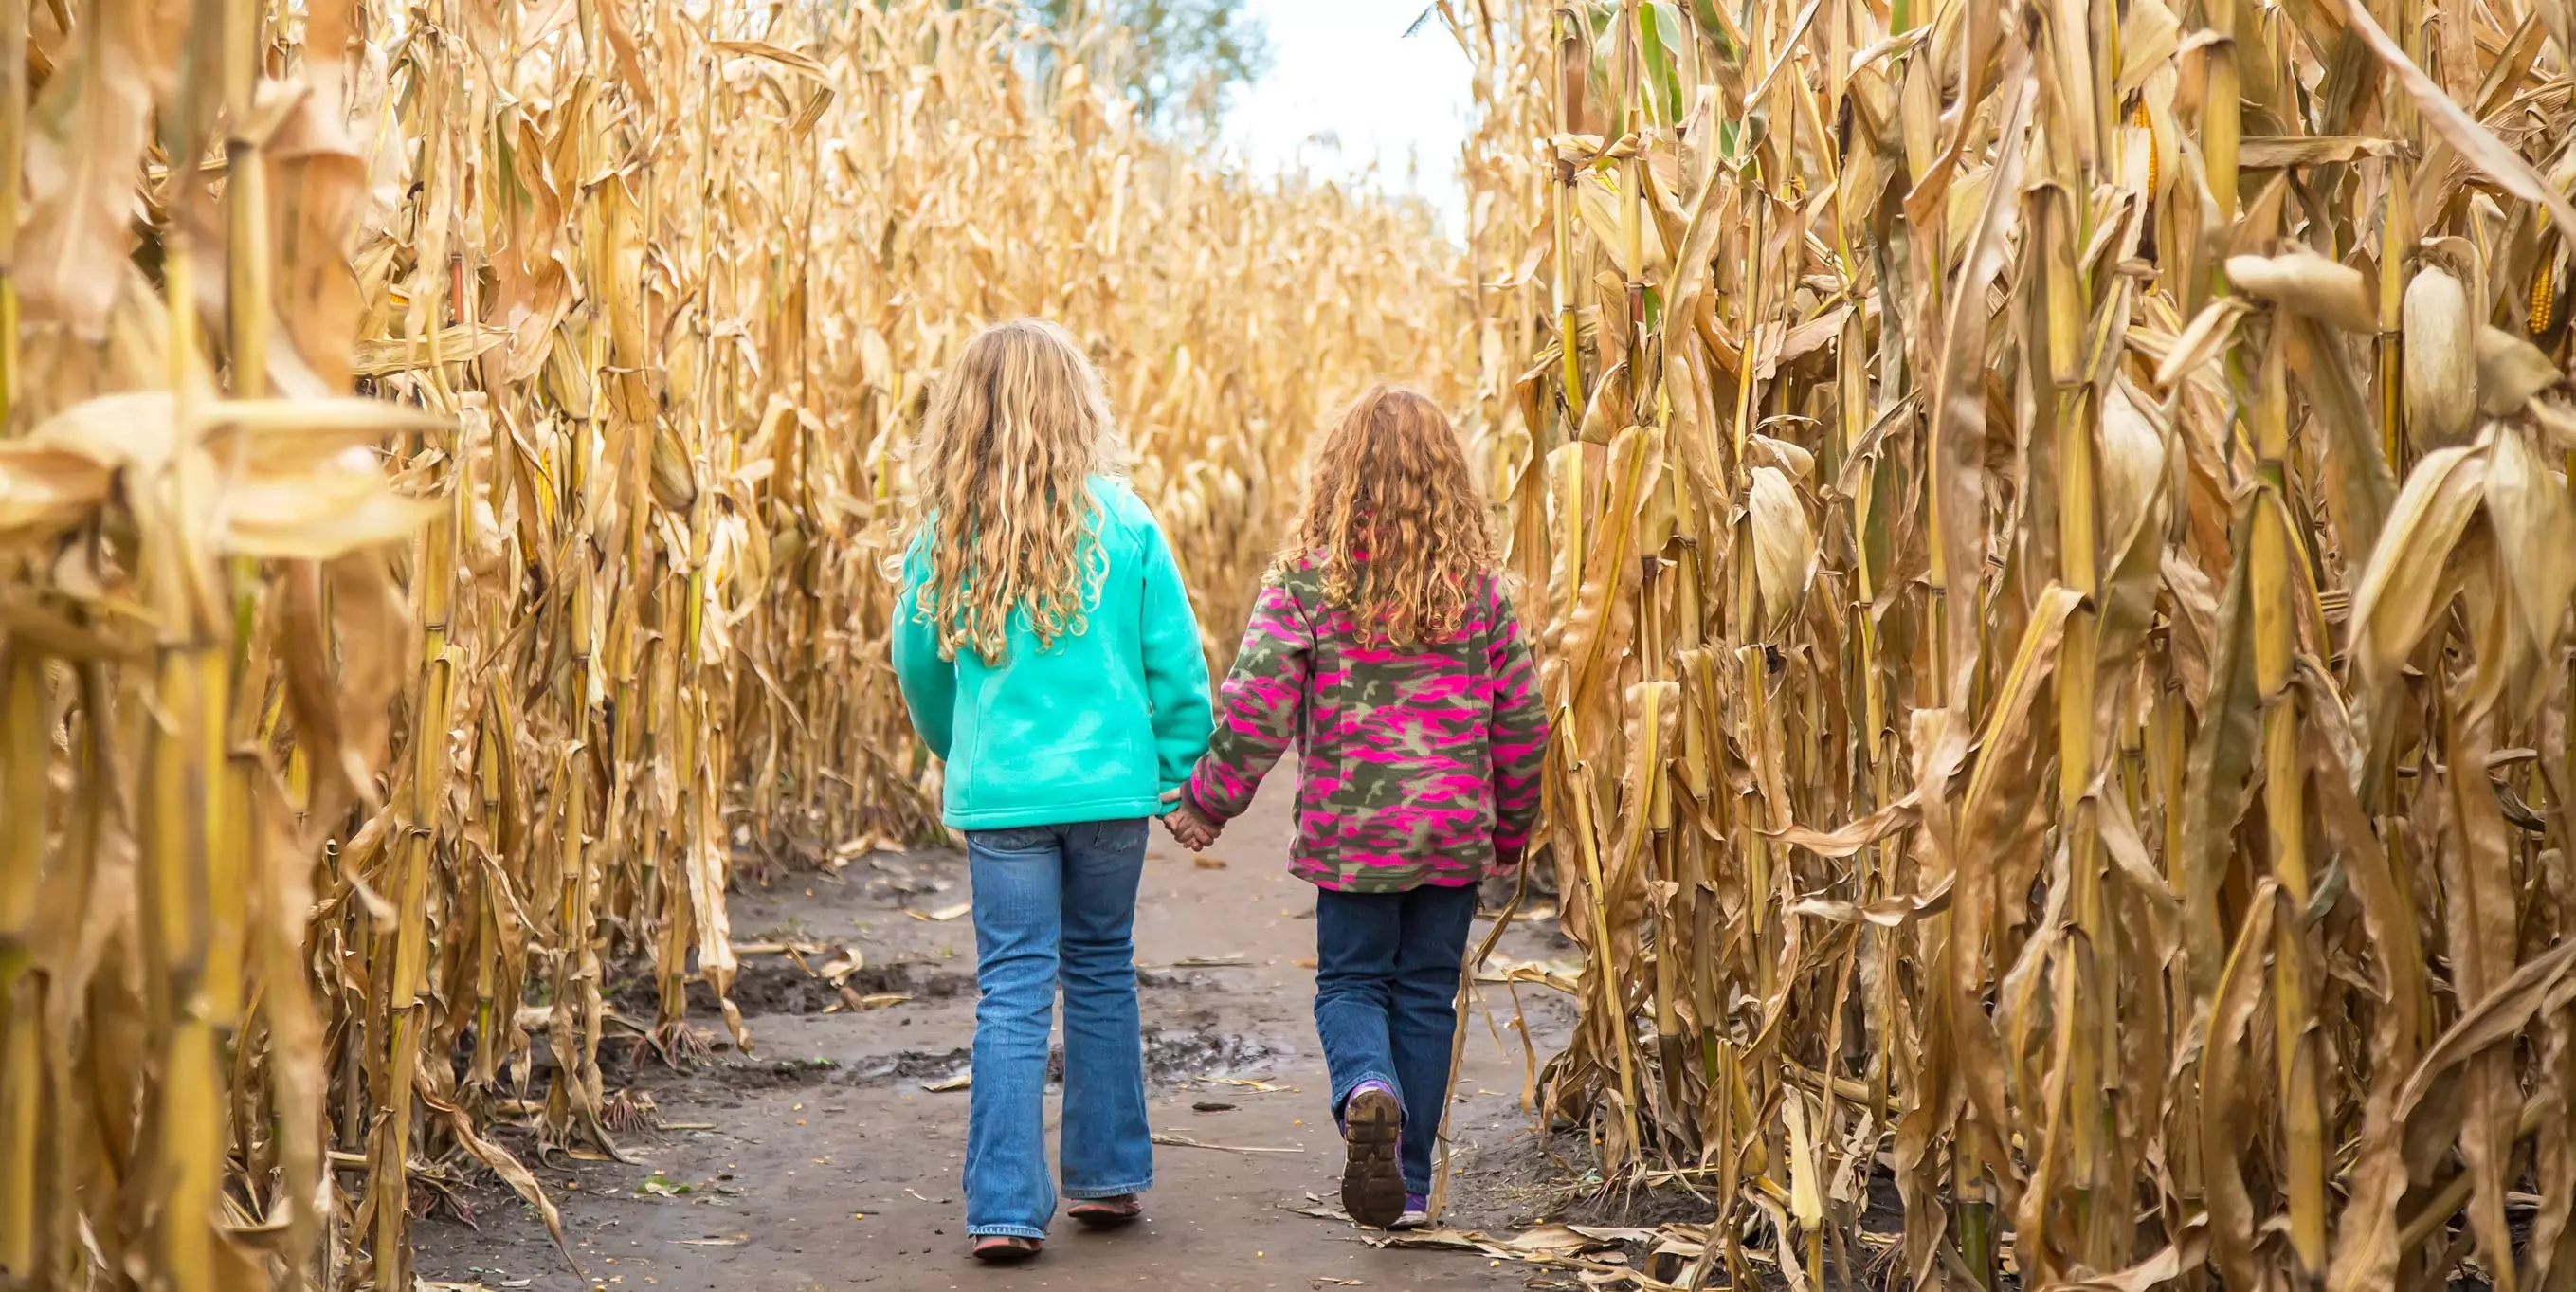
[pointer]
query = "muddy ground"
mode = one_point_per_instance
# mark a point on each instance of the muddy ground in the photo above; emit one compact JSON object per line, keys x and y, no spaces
{"x":821,"y":1161}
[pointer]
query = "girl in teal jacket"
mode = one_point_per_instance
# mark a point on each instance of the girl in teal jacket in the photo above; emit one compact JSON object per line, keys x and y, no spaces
{"x":1047,"y":652}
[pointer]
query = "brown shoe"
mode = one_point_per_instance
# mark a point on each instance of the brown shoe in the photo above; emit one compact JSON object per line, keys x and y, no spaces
{"x":1372,"y":1183}
{"x":1006,"y":1249}
{"x":1107,"y":1213}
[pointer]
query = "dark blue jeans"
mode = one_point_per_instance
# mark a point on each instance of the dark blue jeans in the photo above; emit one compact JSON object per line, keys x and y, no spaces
{"x":1055,"y":904}
{"x":1386,"y":990}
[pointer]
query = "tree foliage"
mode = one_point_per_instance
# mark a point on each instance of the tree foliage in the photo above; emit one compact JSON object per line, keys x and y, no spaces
{"x":1175,"y":58}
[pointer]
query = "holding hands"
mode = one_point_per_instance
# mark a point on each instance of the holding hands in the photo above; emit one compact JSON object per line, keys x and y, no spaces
{"x":1188,"y":828}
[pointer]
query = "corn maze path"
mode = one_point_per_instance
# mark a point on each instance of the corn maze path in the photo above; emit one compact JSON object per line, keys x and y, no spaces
{"x":822,"y":1162}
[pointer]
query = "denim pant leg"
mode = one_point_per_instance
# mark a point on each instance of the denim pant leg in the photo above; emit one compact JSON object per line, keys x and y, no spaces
{"x":1017,"y":877}
{"x":1355,"y":941}
{"x":1107,"y":1147}
{"x":1425,"y":1021}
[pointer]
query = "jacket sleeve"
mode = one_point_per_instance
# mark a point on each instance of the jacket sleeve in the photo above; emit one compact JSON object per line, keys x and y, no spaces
{"x":1176,"y":677}
{"x":1258,"y":707}
{"x":929,"y":683}
{"x":1517,"y":733}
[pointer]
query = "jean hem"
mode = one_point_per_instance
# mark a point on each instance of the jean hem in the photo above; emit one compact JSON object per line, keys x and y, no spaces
{"x":1108,"y":1191}
{"x":1004,"y":1231}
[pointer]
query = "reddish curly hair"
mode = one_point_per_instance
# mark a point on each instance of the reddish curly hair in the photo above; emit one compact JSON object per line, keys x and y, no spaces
{"x":1394,"y":520}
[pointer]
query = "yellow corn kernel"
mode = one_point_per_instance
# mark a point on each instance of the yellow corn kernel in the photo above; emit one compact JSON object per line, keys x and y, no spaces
{"x":2145,"y":120}
{"x":2544,"y":299}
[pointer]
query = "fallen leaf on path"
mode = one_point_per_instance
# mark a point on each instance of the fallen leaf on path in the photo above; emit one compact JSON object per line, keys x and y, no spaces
{"x":1184,"y":1141}
{"x":882,"y":999}
{"x":777,"y":948}
{"x":1618,"y":1234}
{"x":1683,"y":1248}
{"x":1248,"y":1083}
{"x":735,"y":1241}
{"x":1226,"y":961}
{"x":1570,"y":1238}
{"x":688,"y":1126}
{"x":953,"y":1081}
{"x":1211,"y":1106}
{"x":850,"y":849}
{"x":663,"y":1186}
{"x":943,"y":914}
{"x":1559,"y":974}
{"x":1465,"y":1240}
{"x":1328,"y":1281}
{"x":1205,"y":862}
{"x":1304,"y":962}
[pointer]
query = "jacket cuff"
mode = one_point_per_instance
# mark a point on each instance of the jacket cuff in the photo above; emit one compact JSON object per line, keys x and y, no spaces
{"x":1190,"y":796}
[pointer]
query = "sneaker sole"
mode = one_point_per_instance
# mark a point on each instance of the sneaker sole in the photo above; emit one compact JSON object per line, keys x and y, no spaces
{"x":1372,"y":1183}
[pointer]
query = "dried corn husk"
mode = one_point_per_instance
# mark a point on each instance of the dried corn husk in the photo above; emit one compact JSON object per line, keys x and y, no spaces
{"x":2441,"y":359}
{"x":2135,"y":840}
{"x":442,"y":529}
{"x":2309,"y":284}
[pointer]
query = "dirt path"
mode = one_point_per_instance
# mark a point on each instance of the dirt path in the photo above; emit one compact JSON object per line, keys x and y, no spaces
{"x":822,"y":1162}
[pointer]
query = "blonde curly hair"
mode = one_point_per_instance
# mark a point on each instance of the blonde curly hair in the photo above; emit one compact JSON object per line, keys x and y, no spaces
{"x":1395,"y":521}
{"x":1018,"y":425}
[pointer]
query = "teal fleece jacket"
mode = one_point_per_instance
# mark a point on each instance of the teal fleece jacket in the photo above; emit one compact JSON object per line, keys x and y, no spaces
{"x":1093,"y":728}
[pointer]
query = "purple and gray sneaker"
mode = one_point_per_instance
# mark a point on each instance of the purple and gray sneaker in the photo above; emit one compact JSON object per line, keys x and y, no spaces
{"x":1417,"y":1212}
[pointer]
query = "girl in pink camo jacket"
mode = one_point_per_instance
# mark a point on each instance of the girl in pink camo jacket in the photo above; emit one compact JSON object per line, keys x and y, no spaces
{"x":1384,"y":647}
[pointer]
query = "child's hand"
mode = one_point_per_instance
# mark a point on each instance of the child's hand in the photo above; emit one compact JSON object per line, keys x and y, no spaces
{"x":1188,"y":828}
{"x":1193,"y":831}
{"x":1508,"y":858}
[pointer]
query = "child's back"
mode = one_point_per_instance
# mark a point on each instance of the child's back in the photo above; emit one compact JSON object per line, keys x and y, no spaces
{"x":1384,"y":649}
{"x":1416,"y":760}
{"x":1089,"y":727}
{"x":1047,"y":651}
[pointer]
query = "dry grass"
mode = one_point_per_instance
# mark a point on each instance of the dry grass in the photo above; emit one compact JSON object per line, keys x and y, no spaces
{"x":2053,"y":531}
{"x":348,"y":744}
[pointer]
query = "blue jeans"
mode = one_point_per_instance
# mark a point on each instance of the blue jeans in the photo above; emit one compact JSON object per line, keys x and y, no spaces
{"x":1386,"y":989}
{"x":1055,"y":903}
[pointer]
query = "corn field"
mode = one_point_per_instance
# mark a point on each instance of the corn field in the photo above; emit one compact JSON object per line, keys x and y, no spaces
{"x":2051,"y":522}
{"x":449,"y":457}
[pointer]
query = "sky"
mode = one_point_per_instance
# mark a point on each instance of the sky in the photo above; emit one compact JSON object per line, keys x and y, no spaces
{"x":1346,"y":88}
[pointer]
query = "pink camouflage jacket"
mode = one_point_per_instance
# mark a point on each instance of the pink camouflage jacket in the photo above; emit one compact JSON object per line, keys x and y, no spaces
{"x":1418,"y":762}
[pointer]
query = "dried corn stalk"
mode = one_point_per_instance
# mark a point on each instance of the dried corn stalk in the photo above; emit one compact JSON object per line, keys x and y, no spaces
{"x":2052,"y":526}
{"x":350,"y":745}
